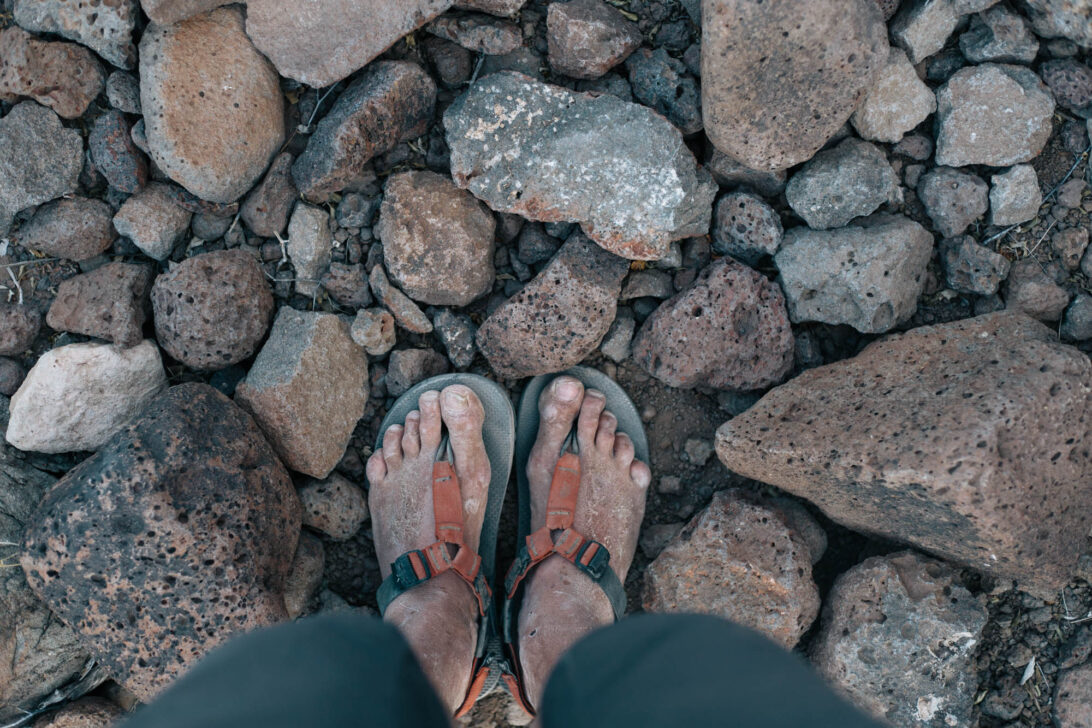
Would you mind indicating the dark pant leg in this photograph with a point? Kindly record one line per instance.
(329, 672)
(689, 670)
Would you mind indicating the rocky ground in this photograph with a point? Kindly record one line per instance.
(836, 250)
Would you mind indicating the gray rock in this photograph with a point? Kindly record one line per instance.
(1073, 697)
(868, 275)
(586, 38)
(1015, 196)
(1031, 290)
(535, 245)
(648, 283)
(953, 199)
(899, 637)
(310, 246)
(169, 12)
(663, 83)
(851, 180)
(915, 146)
(39, 159)
(456, 332)
(503, 8)
(617, 344)
(1071, 83)
(617, 168)
(994, 115)
(407, 367)
(406, 313)
(1070, 244)
(153, 220)
(972, 268)
(1067, 18)
(922, 27)
(1077, 324)
(123, 92)
(373, 329)
(265, 210)
(895, 103)
(999, 35)
(11, 376)
(19, 326)
(76, 228)
(730, 173)
(347, 283)
(210, 227)
(966, 7)
(356, 210)
(477, 33)
(746, 228)
(106, 28)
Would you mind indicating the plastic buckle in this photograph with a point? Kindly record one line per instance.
(404, 573)
(599, 562)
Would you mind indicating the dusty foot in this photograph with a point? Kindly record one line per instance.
(438, 618)
(561, 604)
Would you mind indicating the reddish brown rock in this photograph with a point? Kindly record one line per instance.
(63, 76)
(407, 367)
(504, 8)
(586, 38)
(478, 33)
(106, 28)
(115, 155)
(168, 12)
(780, 78)
(390, 102)
(153, 220)
(306, 575)
(266, 208)
(1073, 699)
(347, 283)
(437, 239)
(899, 638)
(213, 107)
(559, 317)
(728, 330)
(335, 506)
(176, 535)
(739, 560)
(945, 437)
(75, 228)
(84, 713)
(110, 303)
(212, 310)
(321, 42)
(19, 326)
(1031, 290)
(406, 313)
(307, 389)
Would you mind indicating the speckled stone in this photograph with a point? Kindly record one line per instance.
(837, 185)
(265, 210)
(153, 220)
(110, 302)
(406, 313)
(19, 325)
(305, 577)
(1030, 289)
(953, 199)
(1071, 83)
(943, 437)
(76, 228)
(739, 560)
(728, 330)
(1066, 18)
(895, 103)
(40, 159)
(176, 535)
(503, 8)
(972, 268)
(478, 33)
(66, 77)
(335, 506)
(373, 330)
(586, 38)
(83, 713)
(168, 12)
(1015, 196)
(559, 317)
(115, 155)
(745, 227)
(1073, 698)
(104, 27)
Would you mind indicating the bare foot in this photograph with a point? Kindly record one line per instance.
(561, 604)
(439, 618)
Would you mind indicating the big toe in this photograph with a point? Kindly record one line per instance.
(558, 406)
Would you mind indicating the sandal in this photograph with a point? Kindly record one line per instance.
(558, 535)
(449, 552)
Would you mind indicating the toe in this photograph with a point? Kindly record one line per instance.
(431, 421)
(376, 468)
(557, 408)
(411, 438)
(623, 450)
(392, 446)
(587, 422)
(640, 473)
(604, 436)
(461, 410)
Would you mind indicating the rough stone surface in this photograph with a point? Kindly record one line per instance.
(617, 344)
(406, 313)
(212, 310)
(728, 330)
(780, 78)
(407, 367)
(265, 210)
(478, 33)
(1066, 18)
(1071, 83)
(1070, 245)
(84, 713)
(503, 8)
(77, 396)
(307, 389)
(868, 275)
(391, 102)
(305, 577)
(899, 636)
(213, 108)
(373, 329)
(39, 159)
(321, 42)
(63, 76)
(110, 302)
(1015, 196)
(437, 239)
(335, 506)
(310, 246)
(1029, 289)
(972, 268)
(456, 332)
(738, 560)
(347, 283)
(11, 376)
(185, 521)
(1073, 697)
(730, 173)
(1077, 325)
(19, 326)
(115, 155)
(895, 103)
(922, 27)
(994, 115)
(123, 92)
(619, 169)
(586, 38)
(944, 437)
(106, 28)
(559, 317)
(168, 12)
(76, 228)
(851, 180)
(999, 35)
(153, 220)
(662, 82)
(953, 199)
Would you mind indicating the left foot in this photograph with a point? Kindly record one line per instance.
(439, 618)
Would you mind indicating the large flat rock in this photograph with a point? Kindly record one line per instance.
(969, 440)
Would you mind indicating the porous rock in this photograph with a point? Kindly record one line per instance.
(115, 154)
(953, 199)
(922, 27)
(1065, 18)
(837, 185)
(896, 102)
(1015, 196)
(106, 28)
(999, 35)
(586, 38)
(1073, 697)
(972, 268)
(406, 313)
(19, 326)
(1030, 289)
(40, 160)
(76, 228)
(110, 302)
(373, 329)
(84, 713)
(478, 33)
(63, 76)
(335, 506)
(1071, 83)
(265, 210)
(153, 220)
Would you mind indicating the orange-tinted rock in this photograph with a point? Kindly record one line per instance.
(588, 37)
(213, 108)
(969, 440)
(176, 535)
(740, 560)
(336, 506)
(84, 713)
(306, 575)
(110, 302)
(76, 228)
(66, 77)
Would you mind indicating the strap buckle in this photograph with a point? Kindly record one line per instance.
(411, 569)
(595, 563)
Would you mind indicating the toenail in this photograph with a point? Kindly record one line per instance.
(430, 396)
(595, 394)
(457, 402)
(567, 389)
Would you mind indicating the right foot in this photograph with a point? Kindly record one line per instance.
(561, 603)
